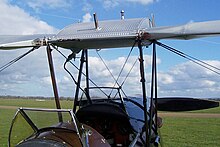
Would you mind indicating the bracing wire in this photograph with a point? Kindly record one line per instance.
(116, 82)
(59, 16)
(129, 72)
(126, 60)
(113, 75)
(129, 54)
(193, 59)
(2, 68)
(97, 52)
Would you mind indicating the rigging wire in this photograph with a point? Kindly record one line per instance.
(78, 69)
(113, 75)
(59, 16)
(193, 59)
(136, 40)
(116, 82)
(2, 68)
(97, 52)
(129, 72)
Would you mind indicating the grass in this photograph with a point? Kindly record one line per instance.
(191, 132)
(6, 116)
(65, 104)
(176, 131)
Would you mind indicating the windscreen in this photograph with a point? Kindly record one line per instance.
(26, 123)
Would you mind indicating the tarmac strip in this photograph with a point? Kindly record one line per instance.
(9, 107)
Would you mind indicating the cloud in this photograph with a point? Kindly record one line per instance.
(143, 2)
(37, 5)
(87, 7)
(165, 78)
(24, 77)
(16, 21)
(108, 4)
(87, 17)
(100, 74)
(30, 76)
(188, 79)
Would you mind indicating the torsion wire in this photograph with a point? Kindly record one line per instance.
(116, 82)
(136, 40)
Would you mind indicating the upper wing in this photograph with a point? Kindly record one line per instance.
(187, 31)
(112, 34)
(122, 33)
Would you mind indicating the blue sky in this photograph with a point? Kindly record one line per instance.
(177, 77)
(167, 12)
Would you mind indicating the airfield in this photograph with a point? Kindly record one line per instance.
(183, 129)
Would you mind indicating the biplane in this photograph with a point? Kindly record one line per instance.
(114, 119)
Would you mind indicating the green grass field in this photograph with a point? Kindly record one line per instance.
(191, 132)
(181, 131)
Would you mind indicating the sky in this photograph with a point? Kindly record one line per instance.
(176, 76)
